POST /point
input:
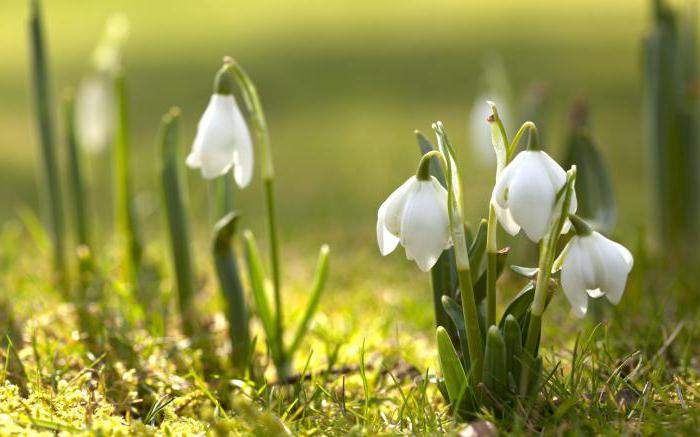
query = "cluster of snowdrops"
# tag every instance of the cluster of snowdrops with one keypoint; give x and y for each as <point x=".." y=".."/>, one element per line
<point x="485" y="361"/>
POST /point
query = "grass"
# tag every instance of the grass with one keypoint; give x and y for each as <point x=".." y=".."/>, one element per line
<point x="368" y="367"/>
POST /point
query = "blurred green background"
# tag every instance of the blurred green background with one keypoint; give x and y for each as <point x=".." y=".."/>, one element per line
<point x="344" y="85"/>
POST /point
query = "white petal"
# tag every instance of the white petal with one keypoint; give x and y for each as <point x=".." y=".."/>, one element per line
<point x="194" y="158"/>
<point x="243" y="152"/>
<point x="222" y="140"/>
<point x="556" y="174"/>
<point x="425" y="224"/>
<point x="395" y="205"/>
<point x="386" y="241"/>
<point x="572" y="279"/>
<point x="615" y="267"/>
<point x="505" y="218"/>
<point x="499" y="197"/>
<point x="531" y="197"/>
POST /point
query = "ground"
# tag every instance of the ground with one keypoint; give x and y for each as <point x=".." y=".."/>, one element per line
<point x="369" y="366"/>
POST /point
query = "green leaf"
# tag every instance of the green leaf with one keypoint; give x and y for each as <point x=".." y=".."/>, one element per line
<point x="232" y="290"/>
<point x="259" y="286"/>
<point x="495" y="375"/>
<point x="314" y="298"/>
<point x="176" y="219"/>
<point x="452" y="370"/>
<point x="477" y="251"/>
<point x="454" y="311"/>
<point x="513" y="338"/>
<point x="443" y="279"/>
<point x="520" y="304"/>
<point x="596" y="201"/>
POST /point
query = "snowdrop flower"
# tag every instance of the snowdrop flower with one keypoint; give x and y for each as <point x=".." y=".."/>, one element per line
<point x="416" y="216"/>
<point x="592" y="265"/>
<point x="525" y="192"/>
<point x="223" y="141"/>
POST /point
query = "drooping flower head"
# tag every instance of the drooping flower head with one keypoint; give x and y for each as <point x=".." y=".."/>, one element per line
<point x="223" y="141"/>
<point x="416" y="215"/>
<point x="592" y="265"/>
<point x="525" y="193"/>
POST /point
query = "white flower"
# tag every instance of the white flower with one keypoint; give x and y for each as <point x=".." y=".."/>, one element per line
<point x="94" y="112"/>
<point x="223" y="141"/>
<point x="525" y="194"/>
<point x="415" y="215"/>
<point x="593" y="266"/>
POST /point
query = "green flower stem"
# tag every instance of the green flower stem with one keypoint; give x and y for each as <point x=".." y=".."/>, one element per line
<point x="547" y="253"/>
<point x="177" y="220"/>
<point x="81" y="222"/>
<point x="491" y="267"/>
<point x="124" y="208"/>
<point x="230" y="282"/>
<point x="516" y="140"/>
<point x="76" y="179"/>
<point x="220" y="197"/>
<point x="471" y="315"/>
<point x="499" y="138"/>
<point x="257" y="118"/>
<point x="45" y="126"/>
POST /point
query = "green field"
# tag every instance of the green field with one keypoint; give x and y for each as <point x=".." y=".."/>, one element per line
<point x="344" y="85"/>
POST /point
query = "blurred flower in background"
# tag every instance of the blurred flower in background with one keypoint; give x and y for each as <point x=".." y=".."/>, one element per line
<point x="95" y="98"/>
<point x="495" y="87"/>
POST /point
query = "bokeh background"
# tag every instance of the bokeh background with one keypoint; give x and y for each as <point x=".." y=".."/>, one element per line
<point x="344" y="85"/>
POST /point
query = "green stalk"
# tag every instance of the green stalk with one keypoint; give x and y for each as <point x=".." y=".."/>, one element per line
<point x="124" y="211"/>
<point x="503" y="150"/>
<point x="230" y="282"/>
<point x="471" y="319"/>
<point x="81" y="222"/>
<point x="220" y="195"/>
<point x="257" y="118"/>
<point x="176" y="219"/>
<point x="76" y="180"/>
<point x="471" y="316"/>
<point x="491" y="268"/>
<point x="45" y="126"/>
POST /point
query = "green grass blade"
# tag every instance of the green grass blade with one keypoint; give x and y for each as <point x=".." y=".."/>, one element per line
<point x="176" y="219"/>
<point x="314" y="298"/>
<point x="51" y="170"/>
<point x="230" y="282"/>
<point x="75" y="176"/>
<point x="124" y="207"/>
